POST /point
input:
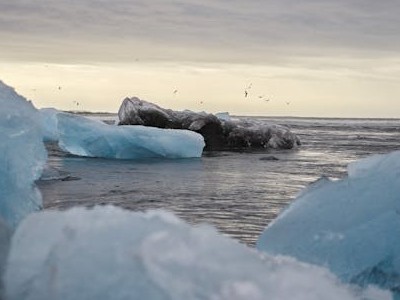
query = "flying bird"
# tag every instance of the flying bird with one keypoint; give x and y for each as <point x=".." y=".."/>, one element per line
<point x="245" y="93"/>
<point x="287" y="102"/>
<point x="175" y="91"/>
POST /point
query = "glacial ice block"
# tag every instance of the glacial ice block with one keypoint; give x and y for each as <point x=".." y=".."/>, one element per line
<point x="111" y="253"/>
<point x="85" y="137"/>
<point x="49" y="124"/>
<point x="22" y="156"/>
<point x="5" y="237"/>
<point x="351" y="226"/>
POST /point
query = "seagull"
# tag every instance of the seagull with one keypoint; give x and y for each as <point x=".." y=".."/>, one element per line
<point x="287" y="102"/>
<point x="59" y="88"/>
<point x="175" y="91"/>
<point x="245" y="93"/>
<point x="267" y="100"/>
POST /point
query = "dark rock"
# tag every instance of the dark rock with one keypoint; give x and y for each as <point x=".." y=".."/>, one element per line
<point x="269" y="158"/>
<point x="218" y="134"/>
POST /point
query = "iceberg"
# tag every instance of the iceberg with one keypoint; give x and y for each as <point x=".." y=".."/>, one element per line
<point x="220" y="132"/>
<point x="5" y="237"/>
<point x="351" y="226"/>
<point x="110" y="253"/>
<point x="22" y="158"/>
<point x="92" y="138"/>
<point x="49" y="124"/>
<point x="223" y="116"/>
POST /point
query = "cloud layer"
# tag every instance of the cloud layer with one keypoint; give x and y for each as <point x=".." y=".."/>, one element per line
<point x="227" y="30"/>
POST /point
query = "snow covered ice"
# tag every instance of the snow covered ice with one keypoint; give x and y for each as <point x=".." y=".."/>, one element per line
<point x="22" y="156"/>
<point x="111" y="253"/>
<point x="351" y="226"/>
<point x="85" y="137"/>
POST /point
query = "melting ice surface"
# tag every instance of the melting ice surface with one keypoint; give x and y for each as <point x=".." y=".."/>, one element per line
<point x="22" y="156"/>
<point x="351" y="226"/>
<point x="111" y="253"/>
<point x="85" y="137"/>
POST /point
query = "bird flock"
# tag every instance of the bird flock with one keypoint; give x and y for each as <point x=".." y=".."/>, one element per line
<point x="247" y="90"/>
<point x="247" y="95"/>
<point x="261" y="97"/>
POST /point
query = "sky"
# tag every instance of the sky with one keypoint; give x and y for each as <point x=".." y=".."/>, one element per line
<point x="316" y="58"/>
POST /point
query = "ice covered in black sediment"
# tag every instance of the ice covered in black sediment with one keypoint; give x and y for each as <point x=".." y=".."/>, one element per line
<point x="219" y="133"/>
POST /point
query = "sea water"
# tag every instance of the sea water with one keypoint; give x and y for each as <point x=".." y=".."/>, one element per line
<point x="237" y="192"/>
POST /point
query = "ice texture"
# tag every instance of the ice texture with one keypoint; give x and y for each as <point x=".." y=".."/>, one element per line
<point x="224" y="116"/>
<point x="111" y="253"/>
<point x="22" y="156"/>
<point x="220" y="132"/>
<point x="351" y="226"/>
<point x="86" y="137"/>
<point x="49" y="124"/>
<point x="5" y="236"/>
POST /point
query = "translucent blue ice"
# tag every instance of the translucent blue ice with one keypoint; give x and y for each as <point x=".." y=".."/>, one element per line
<point x="351" y="226"/>
<point x="22" y="156"/>
<point x="110" y="253"/>
<point x="49" y="124"/>
<point x="5" y="235"/>
<point x="85" y="137"/>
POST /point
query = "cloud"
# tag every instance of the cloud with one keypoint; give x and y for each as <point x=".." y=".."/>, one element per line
<point x="226" y="30"/>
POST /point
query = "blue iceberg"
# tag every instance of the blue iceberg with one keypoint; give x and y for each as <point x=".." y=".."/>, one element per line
<point x="111" y="253"/>
<point x="22" y="158"/>
<point x="49" y="124"/>
<point x="82" y="136"/>
<point x="351" y="226"/>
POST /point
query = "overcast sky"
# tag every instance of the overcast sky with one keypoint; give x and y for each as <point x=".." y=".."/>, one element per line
<point x="329" y="58"/>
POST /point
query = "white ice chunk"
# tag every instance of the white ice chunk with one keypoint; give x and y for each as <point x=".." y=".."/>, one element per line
<point x="111" y="253"/>
<point x="22" y="156"/>
<point x="84" y="137"/>
<point x="223" y="116"/>
<point x="351" y="226"/>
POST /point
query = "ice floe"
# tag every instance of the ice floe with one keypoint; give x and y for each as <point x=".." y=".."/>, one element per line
<point x="111" y="253"/>
<point x="351" y="226"/>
